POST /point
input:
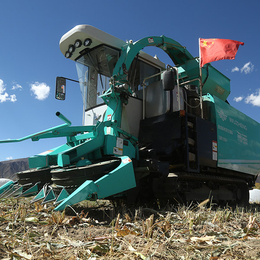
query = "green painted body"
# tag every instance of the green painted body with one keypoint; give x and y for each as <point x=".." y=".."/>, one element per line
<point x="85" y="145"/>
<point x="238" y="142"/>
<point x="119" y="180"/>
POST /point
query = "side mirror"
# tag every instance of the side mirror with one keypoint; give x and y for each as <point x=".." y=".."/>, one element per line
<point x="168" y="80"/>
<point x="60" y="90"/>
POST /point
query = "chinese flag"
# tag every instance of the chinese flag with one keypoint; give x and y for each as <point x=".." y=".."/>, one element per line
<point x="217" y="49"/>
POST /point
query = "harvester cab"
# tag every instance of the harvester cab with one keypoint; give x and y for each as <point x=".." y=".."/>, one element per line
<point x="150" y="131"/>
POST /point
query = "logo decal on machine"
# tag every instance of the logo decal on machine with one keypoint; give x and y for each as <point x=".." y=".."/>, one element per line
<point x="222" y="115"/>
<point x="150" y="40"/>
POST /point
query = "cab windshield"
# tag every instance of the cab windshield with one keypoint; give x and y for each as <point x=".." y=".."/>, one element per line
<point x="94" y="69"/>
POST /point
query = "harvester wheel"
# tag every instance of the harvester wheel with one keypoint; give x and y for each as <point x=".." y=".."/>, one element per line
<point x="75" y="176"/>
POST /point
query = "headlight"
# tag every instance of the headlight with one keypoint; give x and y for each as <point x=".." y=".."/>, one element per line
<point x="77" y="43"/>
<point x="71" y="48"/>
<point x="87" y="42"/>
<point x="68" y="54"/>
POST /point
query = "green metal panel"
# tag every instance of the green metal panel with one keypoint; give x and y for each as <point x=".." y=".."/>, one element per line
<point x="238" y="139"/>
<point x="216" y="84"/>
<point x="63" y="160"/>
<point x="192" y="68"/>
<point x="38" y="161"/>
<point x="49" y="197"/>
<point x="17" y="191"/>
<point x="113" y="112"/>
<point x="209" y="112"/>
<point x="40" y="195"/>
<point x="119" y="180"/>
<point x="6" y="186"/>
<point x="118" y="147"/>
<point x="31" y="191"/>
<point x="62" y="196"/>
<point x="83" y="192"/>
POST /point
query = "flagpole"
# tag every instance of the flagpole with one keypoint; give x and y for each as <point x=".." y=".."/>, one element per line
<point x="200" y="80"/>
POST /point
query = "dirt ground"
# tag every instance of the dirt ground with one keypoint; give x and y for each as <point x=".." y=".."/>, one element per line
<point x="100" y="231"/>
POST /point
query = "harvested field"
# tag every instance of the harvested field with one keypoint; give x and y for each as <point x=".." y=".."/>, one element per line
<point x="96" y="230"/>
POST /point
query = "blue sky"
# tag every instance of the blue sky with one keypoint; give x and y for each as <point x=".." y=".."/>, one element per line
<point x="30" y="58"/>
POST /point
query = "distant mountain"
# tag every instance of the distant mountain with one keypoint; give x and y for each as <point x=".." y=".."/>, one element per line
<point x="9" y="168"/>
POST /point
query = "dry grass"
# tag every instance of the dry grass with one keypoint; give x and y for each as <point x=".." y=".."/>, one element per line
<point x="257" y="186"/>
<point x="101" y="232"/>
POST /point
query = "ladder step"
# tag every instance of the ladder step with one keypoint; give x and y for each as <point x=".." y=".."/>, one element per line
<point x="192" y="157"/>
<point x="190" y="124"/>
<point x="191" y="141"/>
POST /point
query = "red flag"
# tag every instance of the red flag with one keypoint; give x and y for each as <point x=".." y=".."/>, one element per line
<point x="217" y="49"/>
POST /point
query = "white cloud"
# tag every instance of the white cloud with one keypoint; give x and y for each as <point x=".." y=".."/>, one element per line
<point x="13" y="98"/>
<point x="253" y="99"/>
<point x="4" y="96"/>
<point x="238" y="99"/>
<point x="40" y="90"/>
<point x="247" y="68"/>
<point x="17" y="86"/>
<point x="235" y="69"/>
<point x="2" y="87"/>
<point x="9" y="158"/>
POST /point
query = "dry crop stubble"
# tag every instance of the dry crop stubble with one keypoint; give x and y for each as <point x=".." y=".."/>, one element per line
<point x="99" y="231"/>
